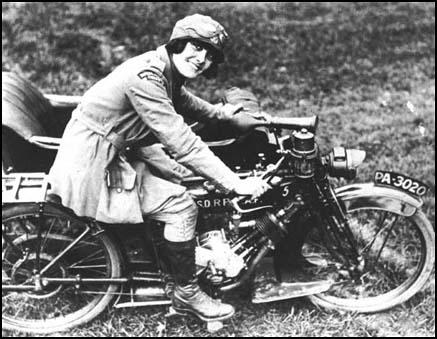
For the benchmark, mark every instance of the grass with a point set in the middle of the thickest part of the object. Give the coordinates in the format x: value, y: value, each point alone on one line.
x: 295, y: 318
x: 360, y: 66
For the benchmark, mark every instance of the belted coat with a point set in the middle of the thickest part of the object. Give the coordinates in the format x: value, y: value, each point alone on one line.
x: 143, y: 97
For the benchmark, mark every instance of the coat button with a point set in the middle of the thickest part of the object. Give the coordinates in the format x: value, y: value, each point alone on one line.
x: 119, y: 190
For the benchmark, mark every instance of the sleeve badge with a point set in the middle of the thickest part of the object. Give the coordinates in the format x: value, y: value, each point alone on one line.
x: 150, y: 75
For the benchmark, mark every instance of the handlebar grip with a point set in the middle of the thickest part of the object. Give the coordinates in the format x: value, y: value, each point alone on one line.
x: 294, y: 123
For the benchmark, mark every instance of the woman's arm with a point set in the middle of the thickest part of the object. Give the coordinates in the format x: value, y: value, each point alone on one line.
x: 190, y: 105
x: 150, y: 100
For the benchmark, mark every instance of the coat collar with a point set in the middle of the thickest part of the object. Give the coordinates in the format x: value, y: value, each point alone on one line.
x: 170, y: 72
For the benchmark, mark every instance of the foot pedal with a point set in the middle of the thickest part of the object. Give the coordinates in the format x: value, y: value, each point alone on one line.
x: 214, y: 326
x: 172, y: 312
x: 271, y: 290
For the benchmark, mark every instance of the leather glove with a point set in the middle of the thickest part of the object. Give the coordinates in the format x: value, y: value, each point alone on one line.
x: 244, y: 122
x: 253, y: 186
x: 228, y: 111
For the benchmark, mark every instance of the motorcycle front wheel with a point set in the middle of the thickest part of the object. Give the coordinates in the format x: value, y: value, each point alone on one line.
x: 53, y: 243
x: 396, y: 259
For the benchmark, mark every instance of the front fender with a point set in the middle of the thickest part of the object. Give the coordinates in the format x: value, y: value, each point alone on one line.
x: 357, y: 196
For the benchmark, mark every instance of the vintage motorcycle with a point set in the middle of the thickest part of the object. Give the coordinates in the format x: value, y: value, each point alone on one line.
x: 360, y: 247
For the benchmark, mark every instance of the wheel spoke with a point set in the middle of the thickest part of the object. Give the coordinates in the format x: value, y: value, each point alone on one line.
x: 20, y: 308
x: 395, y: 257
x: 22, y: 224
x: 87, y: 258
x: 6, y: 262
x: 85, y: 244
x: 64, y: 247
x: 386, y: 238
x: 91, y: 269
x: 87, y: 266
x: 37, y: 266
x: 68, y: 248
x: 12, y: 245
x: 379, y: 228
x: 49, y: 230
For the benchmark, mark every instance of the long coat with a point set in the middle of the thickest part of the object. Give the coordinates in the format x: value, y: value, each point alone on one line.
x: 142, y: 98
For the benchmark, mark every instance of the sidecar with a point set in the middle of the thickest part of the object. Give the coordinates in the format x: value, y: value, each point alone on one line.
x: 33, y: 123
x: 30, y: 120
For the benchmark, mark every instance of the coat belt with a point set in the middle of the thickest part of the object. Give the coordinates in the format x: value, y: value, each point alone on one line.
x: 114, y: 138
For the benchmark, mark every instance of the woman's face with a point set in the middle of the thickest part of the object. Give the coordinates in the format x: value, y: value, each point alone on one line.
x: 193, y: 60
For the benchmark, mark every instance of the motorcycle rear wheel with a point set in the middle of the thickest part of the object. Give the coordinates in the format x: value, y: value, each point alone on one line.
x: 56, y: 307
x: 397, y: 262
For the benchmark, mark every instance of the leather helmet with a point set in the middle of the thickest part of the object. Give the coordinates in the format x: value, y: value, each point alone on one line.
x: 203, y: 28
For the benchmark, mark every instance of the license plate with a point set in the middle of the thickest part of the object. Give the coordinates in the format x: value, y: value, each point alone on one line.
x: 402, y: 182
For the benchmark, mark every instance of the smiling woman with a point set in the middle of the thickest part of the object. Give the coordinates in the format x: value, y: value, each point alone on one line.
x: 193, y: 60
x: 107, y: 168
x: 298, y: 58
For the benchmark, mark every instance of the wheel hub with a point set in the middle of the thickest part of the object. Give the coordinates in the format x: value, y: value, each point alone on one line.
x: 23, y: 272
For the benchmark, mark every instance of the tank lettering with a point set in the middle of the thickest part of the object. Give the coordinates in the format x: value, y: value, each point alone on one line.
x: 211, y: 203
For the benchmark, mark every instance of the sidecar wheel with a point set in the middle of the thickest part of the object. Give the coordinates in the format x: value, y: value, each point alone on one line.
x: 53, y: 307
x: 397, y: 262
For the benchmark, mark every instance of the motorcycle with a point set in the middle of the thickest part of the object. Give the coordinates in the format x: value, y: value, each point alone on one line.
x: 362, y: 247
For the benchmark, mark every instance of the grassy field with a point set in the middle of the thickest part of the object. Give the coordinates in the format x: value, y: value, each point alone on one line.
x: 367, y: 70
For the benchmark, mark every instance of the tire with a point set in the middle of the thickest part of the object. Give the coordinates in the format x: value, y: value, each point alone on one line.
x: 56, y: 307
x: 402, y: 268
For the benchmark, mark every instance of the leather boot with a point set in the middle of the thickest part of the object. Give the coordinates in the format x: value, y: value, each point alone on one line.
x: 187, y: 296
x: 190, y: 298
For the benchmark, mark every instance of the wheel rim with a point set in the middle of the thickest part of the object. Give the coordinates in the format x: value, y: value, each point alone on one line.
x: 56, y: 306
x: 394, y: 252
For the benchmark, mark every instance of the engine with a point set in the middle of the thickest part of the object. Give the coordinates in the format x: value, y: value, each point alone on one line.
x: 214, y: 252
x: 221, y: 258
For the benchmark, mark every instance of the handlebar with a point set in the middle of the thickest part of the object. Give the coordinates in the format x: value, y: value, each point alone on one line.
x: 294, y: 123
x: 310, y: 123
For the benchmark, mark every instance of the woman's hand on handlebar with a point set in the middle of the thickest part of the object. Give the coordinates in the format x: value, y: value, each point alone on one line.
x: 229, y: 110
x: 252, y: 186
x: 245, y: 121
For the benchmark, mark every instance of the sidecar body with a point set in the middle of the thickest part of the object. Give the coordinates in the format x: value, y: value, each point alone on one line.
x: 33, y: 123
x: 27, y: 115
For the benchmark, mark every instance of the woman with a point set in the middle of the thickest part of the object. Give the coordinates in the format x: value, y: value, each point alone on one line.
x: 109, y: 166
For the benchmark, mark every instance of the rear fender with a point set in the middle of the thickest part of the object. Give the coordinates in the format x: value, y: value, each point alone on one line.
x: 358, y: 196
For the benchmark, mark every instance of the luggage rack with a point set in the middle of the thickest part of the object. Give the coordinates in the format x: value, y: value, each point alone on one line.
x: 24, y: 187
